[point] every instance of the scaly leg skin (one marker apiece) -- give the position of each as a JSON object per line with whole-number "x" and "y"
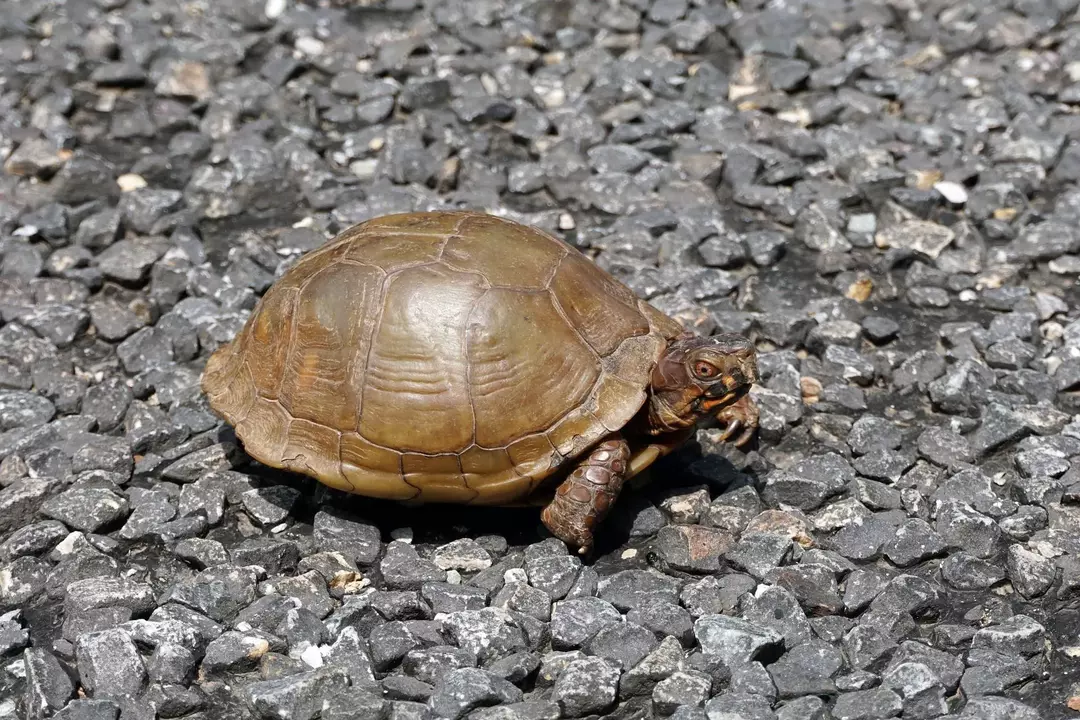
{"x": 585, "y": 497}
{"x": 741, "y": 415}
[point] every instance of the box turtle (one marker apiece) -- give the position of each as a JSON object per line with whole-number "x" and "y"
{"x": 458, "y": 357}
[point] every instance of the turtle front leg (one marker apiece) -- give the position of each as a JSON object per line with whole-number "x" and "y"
{"x": 585, "y": 497}
{"x": 741, "y": 419}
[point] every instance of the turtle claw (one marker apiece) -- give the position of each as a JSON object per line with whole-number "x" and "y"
{"x": 740, "y": 418}
{"x": 746, "y": 437}
{"x": 729, "y": 432}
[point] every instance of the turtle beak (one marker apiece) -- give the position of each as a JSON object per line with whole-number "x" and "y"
{"x": 719, "y": 396}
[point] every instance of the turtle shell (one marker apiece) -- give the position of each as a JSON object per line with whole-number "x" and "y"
{"x": 437, "y": 356}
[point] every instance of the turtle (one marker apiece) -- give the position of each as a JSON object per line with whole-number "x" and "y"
{"x": 458, "y": 357}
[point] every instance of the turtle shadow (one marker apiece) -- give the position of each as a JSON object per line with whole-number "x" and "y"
{"x": 688, "y": 469}
{"x": 684, "y": 471}
{"x": 426, "y": 523}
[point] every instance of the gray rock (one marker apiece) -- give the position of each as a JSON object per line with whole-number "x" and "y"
{"x": 920, "y": 690}
{"x": 86, "y": 508}
{"x": 85, "y": 709}
{"x": 359, "y": 541}
{"x": 296, "y": 697}
{"x": 628, "y": 588}
{"x": 402, "y": 567}
{"x": 874, "y": 704}
{"x": 575, "y": 620}
{"x": 48, "y": 687}
{"x": 109, "y": 664}
{"x": 735, "y": 640}
{"x": 218, "y": 592}
{"x": 489, "y": 634}
{"x": 270, "y": 505}
{"x": 739, "y": 705}
{"x": 100, "y": 592}
{"x": 622, "y": 644}
{"x": 1031, "y": 574}
{"x": 464, "y": 554}
{"x": 681, "y": 689}
{"x": 238, "y": 652}
{"x": 586, "y": 686}
{"x": 554, "y": 574}
{"x": 1017, "y": 634}
{"x": 664, "y": 620}
{"x": 463, "y": 690}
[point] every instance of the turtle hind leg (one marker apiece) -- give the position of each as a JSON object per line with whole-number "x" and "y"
{"x": 588, "y": 493}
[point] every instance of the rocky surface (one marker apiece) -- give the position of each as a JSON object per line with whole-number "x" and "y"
{"x": 882, "y": 193}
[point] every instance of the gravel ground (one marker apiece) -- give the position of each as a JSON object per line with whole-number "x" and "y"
{"x": 882, "y": 192}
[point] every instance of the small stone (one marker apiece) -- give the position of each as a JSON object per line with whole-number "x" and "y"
{"x": 464, "y": 554}
{"x": 575, "y": 620}
{"x": 490, "y": 633}
{"x": 588, "y": 685}
{"x": 185, "y": 79}
{"x": 1017, "y": 634}
{"x": 48, "y": 687}
{"x": 35, "y": 157}
{"x": 692, "y": 548}
{"x": 681, "y": 689}
{"x": 357, "y": 540}
{"x": 403, "y": 568}
{"x": 100, "y": 592}
{"x": 664, "y": 620}
{"x": 944, "y": 446}
{"x": 880, "y": 329}
{"x": 554, "y": 574}
{"x": 914, "y": 542}
{"x": 1031, "y": 574}
{"x": 623, "y": 644}
{"x": 218, "y": 592}
{"x": 523, "y": 598}
{"x": 629, "y": 588}
{"x": 966, "y": 572}
{"x": 953, "y": 193}
{"x": 86, "y": 508}
{"x": 462, "y": 690}
{"x": 876, "y": 704}
{"x": 109, "y": 664}
{"x": 814, "y": 229}
{"x": 270, "y": 505}
{"x": 925, "y": 238}
{"x": 735, "y": 640}
{"x": 295, "y": 697}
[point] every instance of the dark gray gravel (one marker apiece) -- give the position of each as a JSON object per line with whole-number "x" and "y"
{"x": 883, "y": 194}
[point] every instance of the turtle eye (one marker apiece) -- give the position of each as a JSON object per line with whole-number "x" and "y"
{"x": 705, "y": 370}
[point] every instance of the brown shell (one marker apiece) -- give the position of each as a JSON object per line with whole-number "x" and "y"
{"x": 440, "y": 357}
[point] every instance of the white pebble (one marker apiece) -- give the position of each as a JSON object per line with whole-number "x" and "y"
{"x": 309, "y": 45}
{"x": 312, "y": 657}
{"x": 364, "y": 169}
{"x": 863, "y": 223}
{"x": 968, "y": 295}
{"x": 627, "y": 554}
{"x": 566, "y": 222}
{"x": 130, "y": 181}
{"x": 953, "y": 192}
{"x": 274, "y": 9}
{"x": 453, "y": 577}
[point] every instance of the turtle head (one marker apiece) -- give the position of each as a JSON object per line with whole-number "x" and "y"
{"x": 697, "y": 377}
